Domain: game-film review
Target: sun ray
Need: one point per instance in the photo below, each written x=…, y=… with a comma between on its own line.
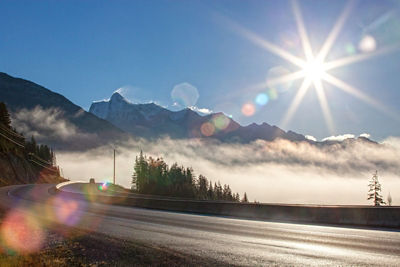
x=360, y=57
x=286, y=78
x=270, y=83
x=319, y=88
x=358, y=94
x=257, y=40
x=302, y=31
x=296, y=102
x=326, y=47
x=274, y=49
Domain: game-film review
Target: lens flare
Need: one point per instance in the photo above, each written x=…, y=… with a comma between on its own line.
x=91, y=192
x=367, y=44
x=350, y=49
x=207, y=129
x=104, y=186
x=22, y=233
x=67, y=211
x=220, y=122
x=272, y=94
x=185, y=95
x=262, y=99
x=248, y=109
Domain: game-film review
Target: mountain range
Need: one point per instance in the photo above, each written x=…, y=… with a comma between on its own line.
x=153, y=121
x=66, y=126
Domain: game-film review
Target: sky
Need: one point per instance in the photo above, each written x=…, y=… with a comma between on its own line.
x=214, y=56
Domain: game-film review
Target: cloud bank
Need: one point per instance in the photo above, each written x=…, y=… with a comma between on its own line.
x=275, y=172
x=48, y=124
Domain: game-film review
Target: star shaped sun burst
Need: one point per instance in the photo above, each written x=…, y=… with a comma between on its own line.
x=314, y=69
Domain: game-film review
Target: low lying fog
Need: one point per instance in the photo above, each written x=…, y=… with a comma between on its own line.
x=273, y=172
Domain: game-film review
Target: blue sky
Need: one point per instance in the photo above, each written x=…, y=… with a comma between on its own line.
x=86, y=50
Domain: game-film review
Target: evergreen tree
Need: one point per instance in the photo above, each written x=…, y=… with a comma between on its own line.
x=153, y=176
x=31, y=146
x=5, y=116
x=210, y=192
x=202, y=187
x=134, y=175
x=140, y=170
x=53, y=157
x=244, y=199
x=389, y=199
x=218, y=191
x=227, y=193
x=374, y=190
x=237, y=197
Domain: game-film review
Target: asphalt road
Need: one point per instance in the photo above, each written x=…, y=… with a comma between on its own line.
x=233, y=241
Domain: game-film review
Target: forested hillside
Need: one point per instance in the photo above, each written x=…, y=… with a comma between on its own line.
x=24, y=161
x=154, y=176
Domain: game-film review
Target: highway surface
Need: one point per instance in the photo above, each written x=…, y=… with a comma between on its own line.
x=232, y=241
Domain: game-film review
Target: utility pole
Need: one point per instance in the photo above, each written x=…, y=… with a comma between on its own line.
x=114, y=166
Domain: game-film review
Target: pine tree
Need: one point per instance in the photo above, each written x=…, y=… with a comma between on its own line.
x=374, y=190
x=34, y=145
x=389, y=199
x=140, y=172
x=210, y=192
x=244, y=199
x=5, y=116
x=134, y=175
x=237, y=197
x=202, y=187
x=31, y=146
x=226, y=193
x=218, y=191
x=53, y=158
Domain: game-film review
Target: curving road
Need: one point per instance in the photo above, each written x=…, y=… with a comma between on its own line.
x=233, y=241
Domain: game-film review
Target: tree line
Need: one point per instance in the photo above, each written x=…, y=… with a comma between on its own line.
x=42, y=151
x=154, y=176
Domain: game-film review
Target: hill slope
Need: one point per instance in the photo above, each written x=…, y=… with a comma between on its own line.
x=52, y=118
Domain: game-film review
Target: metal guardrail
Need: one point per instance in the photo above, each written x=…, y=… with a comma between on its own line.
x=368, y=216
x=53, y=169
x=2, y=127
x=30, y=154
x=11, y=140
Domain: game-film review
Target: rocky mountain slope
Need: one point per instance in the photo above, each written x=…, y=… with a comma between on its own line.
x=153, y=121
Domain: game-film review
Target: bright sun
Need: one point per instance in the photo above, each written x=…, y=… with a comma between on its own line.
x=314, y=70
